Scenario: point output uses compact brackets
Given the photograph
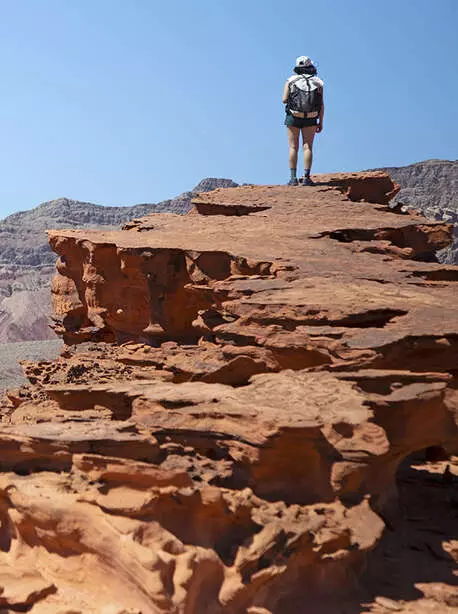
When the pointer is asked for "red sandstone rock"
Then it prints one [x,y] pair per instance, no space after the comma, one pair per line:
[242,425]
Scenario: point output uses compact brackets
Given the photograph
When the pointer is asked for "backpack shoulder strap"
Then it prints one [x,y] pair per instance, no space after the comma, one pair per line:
[299,77]
[293,79]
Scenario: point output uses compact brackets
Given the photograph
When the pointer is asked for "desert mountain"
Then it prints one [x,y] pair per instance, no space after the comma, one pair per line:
[27,262]
[432,188]
[23,242]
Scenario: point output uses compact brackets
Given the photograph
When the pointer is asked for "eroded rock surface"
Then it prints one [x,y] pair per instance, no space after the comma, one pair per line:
[256,412]
[27,262]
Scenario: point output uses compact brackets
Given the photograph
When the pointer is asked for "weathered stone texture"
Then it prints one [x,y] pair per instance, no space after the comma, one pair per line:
[256,412]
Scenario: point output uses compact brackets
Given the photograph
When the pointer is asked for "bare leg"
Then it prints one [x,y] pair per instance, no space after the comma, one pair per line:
[308,134]
[293,141]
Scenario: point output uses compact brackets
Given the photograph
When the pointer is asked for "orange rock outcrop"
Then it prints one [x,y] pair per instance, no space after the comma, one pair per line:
[256,412]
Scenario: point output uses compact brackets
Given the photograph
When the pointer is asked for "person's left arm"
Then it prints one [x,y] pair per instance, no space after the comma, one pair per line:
[319,127]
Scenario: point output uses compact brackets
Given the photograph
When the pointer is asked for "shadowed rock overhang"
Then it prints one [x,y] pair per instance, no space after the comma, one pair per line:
[228,427]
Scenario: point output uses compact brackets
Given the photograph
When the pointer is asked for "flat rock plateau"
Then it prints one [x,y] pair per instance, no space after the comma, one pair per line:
[255,412]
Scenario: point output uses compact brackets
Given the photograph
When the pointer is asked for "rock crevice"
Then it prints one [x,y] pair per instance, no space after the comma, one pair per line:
[246,397]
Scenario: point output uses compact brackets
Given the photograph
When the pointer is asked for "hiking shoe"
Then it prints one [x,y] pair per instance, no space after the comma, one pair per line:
[293,181]
[307,181]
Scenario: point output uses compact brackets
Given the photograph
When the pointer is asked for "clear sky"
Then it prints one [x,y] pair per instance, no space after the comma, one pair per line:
[129,101]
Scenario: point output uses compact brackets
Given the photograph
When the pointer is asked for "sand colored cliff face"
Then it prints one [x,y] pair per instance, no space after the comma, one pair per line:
[256,412]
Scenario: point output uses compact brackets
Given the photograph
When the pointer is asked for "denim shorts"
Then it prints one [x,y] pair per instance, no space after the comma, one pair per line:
[300,122]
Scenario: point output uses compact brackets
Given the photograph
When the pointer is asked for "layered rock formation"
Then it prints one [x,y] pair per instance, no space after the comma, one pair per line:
[432,188]
[256,412]
[27,262]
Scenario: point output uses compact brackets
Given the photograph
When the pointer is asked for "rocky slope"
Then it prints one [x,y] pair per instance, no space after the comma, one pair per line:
[12,354]
[23,240]
[256,414]
[27,262]
[432,188]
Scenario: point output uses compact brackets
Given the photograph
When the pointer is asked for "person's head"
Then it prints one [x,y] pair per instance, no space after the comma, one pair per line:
[304,66]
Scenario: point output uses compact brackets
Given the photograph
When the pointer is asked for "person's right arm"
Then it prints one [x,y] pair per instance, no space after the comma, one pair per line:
[285,93]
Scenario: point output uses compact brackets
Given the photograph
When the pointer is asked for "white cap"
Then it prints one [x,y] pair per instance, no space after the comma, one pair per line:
[303,60]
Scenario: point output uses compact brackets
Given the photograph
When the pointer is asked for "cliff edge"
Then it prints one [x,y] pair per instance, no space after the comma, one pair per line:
[256,412]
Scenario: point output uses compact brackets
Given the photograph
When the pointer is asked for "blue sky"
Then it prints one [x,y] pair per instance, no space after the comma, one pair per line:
[128,101]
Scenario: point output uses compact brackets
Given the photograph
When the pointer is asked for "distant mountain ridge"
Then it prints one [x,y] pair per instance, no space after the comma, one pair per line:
[23,242]
[432,188]
[27,262]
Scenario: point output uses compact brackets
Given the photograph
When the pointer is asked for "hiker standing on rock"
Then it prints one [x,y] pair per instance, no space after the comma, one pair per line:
[303,97]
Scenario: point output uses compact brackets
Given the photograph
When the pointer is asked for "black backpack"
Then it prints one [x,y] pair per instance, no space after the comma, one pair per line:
[305,96]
